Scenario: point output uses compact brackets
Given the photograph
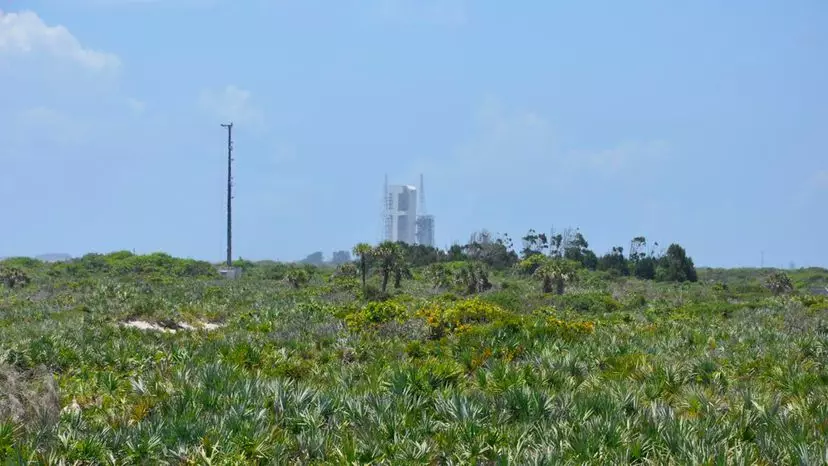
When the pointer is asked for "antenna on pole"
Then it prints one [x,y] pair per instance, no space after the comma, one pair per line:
[422,207]
[229,127]
[386,220]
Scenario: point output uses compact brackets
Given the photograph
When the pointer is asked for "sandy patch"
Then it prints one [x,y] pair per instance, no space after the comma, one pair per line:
[144,325]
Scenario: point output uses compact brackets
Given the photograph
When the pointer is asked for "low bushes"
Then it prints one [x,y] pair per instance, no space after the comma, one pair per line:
[588,302]
[448,317]
[373,314]
[13,277]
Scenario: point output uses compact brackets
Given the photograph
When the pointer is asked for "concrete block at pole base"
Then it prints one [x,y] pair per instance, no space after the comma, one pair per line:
[230,273]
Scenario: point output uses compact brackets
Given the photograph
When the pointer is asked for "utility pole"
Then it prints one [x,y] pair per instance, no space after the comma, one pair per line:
[229,127]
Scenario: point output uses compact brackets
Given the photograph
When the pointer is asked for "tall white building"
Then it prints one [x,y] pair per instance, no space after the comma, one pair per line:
[401,213]
[425,230]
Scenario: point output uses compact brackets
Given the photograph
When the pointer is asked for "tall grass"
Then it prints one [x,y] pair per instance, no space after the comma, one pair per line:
[614,373]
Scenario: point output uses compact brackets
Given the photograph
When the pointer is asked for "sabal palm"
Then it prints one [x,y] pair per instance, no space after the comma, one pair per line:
[390,260]
[363,251]
[439,275]
[555,275]
[474,278]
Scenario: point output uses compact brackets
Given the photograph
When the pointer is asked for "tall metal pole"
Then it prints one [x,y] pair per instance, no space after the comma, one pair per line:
[229,127]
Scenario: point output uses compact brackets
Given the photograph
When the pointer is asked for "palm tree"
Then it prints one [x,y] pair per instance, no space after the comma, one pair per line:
[12,276]
[474,278]
[555,274]
[439,275]
[401,270]
[390,260]
[297,277]
[363,251]
[779,283]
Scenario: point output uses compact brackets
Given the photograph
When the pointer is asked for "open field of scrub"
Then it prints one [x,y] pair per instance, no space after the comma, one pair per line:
[464,363]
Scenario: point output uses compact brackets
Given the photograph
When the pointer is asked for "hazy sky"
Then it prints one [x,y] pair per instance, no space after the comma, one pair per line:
[703,123]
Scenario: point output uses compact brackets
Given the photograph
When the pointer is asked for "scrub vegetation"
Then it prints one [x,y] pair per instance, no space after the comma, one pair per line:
[481,354]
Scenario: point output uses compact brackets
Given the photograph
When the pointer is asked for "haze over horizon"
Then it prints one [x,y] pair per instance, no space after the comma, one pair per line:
[702,124]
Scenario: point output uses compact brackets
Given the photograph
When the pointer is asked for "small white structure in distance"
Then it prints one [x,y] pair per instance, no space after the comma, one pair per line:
[230,273]
[401,214]
[425,230]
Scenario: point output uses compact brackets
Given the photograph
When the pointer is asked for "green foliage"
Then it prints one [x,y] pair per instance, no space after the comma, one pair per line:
[297,277]
[473,278]
[363,252]
[807,278]
[676,266]
[346,277]
[494,252]
[506,299]
[457,316]
[529,265]
[157,267]
[346,271]
[419,255]
[13,277]
[614,262]
[814,303]
[598,303]
[272,271]
[555,274]
[439,275]
[390,261]
[374,313]
[644,268]
[615,371]
[779,283]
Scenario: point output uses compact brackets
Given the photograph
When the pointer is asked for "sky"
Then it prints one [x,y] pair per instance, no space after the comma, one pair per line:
[703,123]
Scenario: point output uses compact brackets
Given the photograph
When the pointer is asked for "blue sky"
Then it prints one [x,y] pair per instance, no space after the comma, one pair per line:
[703,123]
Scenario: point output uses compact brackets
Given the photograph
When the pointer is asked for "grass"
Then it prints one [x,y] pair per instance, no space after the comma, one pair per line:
[612,372]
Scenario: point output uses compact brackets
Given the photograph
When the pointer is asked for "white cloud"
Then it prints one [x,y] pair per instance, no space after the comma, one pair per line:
[66,98]
[231,104]
[24,34]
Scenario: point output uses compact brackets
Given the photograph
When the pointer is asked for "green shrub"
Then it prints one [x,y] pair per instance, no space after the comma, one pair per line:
[374,293]
[373,314]
[509,300]
[588,302]
[532,263]
[635,301]
[814,302]
[297,277]
[779,283]
[13,277]
[444,317]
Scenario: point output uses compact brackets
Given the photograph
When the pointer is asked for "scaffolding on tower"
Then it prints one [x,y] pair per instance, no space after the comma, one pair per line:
[425,222]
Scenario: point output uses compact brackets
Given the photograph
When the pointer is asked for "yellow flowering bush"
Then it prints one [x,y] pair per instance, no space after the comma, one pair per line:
[374,313]
[458,316]
[572,328]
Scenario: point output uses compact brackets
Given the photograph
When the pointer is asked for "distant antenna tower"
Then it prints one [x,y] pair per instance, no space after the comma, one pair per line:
[386,208]
[229,127]
[422,196]
[425,222]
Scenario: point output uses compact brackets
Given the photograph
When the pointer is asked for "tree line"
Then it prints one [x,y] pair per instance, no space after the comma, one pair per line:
[553,259]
